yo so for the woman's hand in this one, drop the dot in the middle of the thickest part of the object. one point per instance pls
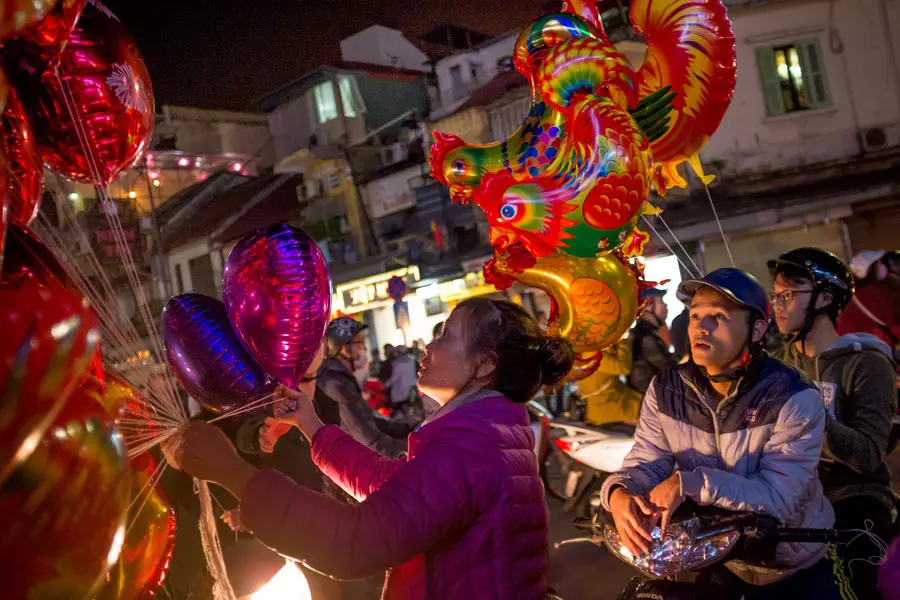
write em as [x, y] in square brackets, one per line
[232, 518]
[666, 498]
[206, 453]
[634, 520]
[295, 408]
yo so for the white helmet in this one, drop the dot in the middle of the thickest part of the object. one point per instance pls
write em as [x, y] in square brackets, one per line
[863, 261]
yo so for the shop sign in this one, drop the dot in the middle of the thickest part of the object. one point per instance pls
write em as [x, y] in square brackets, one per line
[359, 296]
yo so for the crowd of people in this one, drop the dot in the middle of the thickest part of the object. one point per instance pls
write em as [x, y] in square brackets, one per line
[454, 506]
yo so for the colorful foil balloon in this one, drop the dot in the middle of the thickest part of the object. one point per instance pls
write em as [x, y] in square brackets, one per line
[585, 365]
[50, 333]
[64, 509]
[278, 297]
[16, 15]
[94, 113]
[595, 300]
[207, 356]
[691, 53]
[622, 131]
[25, 172]
[588, 202]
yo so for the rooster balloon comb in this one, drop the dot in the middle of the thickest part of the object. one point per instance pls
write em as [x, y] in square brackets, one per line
[576, 176]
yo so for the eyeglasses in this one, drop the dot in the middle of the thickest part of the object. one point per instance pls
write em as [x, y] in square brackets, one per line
[787, 296]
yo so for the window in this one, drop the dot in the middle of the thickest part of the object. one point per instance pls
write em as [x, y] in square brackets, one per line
[793, 77]
[326, 107]
[351, 99]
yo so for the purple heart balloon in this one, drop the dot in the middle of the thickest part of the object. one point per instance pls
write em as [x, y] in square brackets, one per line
[207, 356]
[278, 297]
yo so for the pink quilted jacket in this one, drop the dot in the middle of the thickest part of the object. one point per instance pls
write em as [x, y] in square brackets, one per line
[463, 518]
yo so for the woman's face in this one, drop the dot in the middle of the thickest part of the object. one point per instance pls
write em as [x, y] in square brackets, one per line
[449, 367]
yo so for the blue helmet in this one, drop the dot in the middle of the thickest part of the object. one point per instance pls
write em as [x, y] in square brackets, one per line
[738, 286]
[652, 293]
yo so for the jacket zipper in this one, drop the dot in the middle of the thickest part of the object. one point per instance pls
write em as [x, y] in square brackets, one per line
[713, 413]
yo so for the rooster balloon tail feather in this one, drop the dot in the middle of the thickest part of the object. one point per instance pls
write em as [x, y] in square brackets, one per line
[690, 55]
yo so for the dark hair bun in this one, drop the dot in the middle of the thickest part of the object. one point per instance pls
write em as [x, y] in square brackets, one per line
[557, 358]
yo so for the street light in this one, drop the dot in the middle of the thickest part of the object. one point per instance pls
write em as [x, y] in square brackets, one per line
[288, 584]
[257, 573]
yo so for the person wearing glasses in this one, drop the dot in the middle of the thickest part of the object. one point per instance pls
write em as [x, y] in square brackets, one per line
[855, 377]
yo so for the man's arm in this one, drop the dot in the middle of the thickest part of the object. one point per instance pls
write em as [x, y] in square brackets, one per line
[787, 465]
[650, 460]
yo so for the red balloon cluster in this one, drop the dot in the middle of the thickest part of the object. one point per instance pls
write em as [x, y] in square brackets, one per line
[74, 95]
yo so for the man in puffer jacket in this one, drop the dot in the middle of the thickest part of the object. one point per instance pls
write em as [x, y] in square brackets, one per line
[745, 433]
[855, 375]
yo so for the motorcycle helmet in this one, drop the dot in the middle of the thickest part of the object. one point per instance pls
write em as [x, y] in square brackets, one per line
[740, 287]
[342, 330]
[827, 273]
[746, 291]
[862, 262]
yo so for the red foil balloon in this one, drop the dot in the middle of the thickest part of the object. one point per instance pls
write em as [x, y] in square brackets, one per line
[25, 173]
[147, 550]
[49, 335]
[16, 15]
[40, 45]
[278, 297]
[103, 75]
[150, 538]
[64, 509]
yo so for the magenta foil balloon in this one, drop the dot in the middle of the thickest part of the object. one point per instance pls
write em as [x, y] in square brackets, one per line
[278, 298]
[207, 356]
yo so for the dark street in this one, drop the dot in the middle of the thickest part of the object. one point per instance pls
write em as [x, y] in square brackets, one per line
[582, 571]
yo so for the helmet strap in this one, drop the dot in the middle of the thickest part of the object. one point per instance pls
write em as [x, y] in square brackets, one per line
[809, 319]
[753, 351]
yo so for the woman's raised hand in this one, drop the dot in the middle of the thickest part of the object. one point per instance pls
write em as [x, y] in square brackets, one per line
[294, 408]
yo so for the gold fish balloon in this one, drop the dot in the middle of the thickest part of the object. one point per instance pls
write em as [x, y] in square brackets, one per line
[595, 300]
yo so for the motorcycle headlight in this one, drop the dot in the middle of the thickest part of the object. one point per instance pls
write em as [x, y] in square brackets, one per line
[681, 549]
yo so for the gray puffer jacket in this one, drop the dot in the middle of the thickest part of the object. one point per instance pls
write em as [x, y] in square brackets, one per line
[756, 451]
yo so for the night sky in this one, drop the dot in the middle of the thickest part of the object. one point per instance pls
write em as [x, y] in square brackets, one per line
[226, 53]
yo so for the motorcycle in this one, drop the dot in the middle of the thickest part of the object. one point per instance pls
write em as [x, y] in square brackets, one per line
[688, 561]
[586, 455]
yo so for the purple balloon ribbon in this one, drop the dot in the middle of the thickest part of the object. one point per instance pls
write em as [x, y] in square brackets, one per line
[207, 356]
[278, 297]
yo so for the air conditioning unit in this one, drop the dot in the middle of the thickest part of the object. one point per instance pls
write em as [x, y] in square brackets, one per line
[394, 153]
[873, 139]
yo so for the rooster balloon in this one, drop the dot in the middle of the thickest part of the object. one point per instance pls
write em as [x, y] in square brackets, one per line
[564, 192]
[575, 178]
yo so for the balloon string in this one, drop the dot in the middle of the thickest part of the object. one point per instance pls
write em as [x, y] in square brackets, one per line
[698, 272]
[115, 326]
[665, 243]
[718, 221]
[122, 247]
[145, 491]
[247, 408]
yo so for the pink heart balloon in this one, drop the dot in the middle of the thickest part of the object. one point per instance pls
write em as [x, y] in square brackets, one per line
[278, 297]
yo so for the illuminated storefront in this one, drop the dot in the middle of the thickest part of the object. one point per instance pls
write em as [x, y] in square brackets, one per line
[390, 323]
